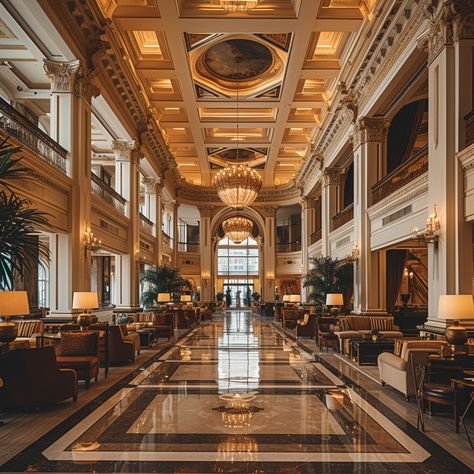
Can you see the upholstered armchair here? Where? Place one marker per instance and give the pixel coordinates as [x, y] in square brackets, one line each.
[306, 327]
[120, 349]
[32, 378]
[191, 316]
[131, 336]
[80, 351]
[165, 324]
[291, 317]
[395, 369]
[180, 321]
[29, 330]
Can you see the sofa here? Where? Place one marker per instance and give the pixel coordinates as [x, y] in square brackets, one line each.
[358, 327]
[395, 369]
[32, 378]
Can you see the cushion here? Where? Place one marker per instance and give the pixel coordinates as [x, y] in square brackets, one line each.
[27, 327]
[381, 323]
[79, 343]
[77, 362]
[344, 324]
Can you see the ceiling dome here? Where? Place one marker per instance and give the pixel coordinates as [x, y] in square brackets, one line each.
[238, 59]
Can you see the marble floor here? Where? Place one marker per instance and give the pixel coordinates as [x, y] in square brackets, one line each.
[234, 396]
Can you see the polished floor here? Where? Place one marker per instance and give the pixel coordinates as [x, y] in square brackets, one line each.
[238, 396]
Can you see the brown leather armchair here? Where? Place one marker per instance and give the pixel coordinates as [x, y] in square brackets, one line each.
[291, 316]
[165, 324]
[80, 351]
[307, 326]
[31, 378]
[120, 350]
[192, 316]
[180, 321]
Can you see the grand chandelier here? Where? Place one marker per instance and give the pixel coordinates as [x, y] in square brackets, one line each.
[233, 6]
[238, 185]
[237, 228]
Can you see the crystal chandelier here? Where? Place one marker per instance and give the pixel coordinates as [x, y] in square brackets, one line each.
[233, 6]
[237, 228]
[238, 185]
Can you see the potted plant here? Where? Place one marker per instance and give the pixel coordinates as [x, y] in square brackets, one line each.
[220, 296]
[256, 296]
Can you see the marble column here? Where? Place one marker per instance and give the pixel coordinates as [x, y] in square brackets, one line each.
[450, 43]
[153, 211]
[368, 139]
[269, 253]
[307, 218]
[175, 234]
[329, 206]
[127, 158]
[206, 253]
[71, 94]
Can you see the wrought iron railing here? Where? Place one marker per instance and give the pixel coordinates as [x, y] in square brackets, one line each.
[288, 246]
[399, 177]
[146, 223]
[166, 238]
[107, 193]
[469, 128]
[16, 125]
[342, 217]
[188, 247]
[316, 235]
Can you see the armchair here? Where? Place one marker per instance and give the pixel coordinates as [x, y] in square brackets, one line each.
[307, 326]
[120, 350]
[131, 336]
[31, 378]
[80, 351]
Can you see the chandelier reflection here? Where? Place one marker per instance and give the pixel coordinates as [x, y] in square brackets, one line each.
[234, 6]
[238, 185]
[237, 447]
[237, 228]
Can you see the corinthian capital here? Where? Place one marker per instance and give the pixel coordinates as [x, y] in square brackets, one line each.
[125, 151]
[369, 129]
[62, 74]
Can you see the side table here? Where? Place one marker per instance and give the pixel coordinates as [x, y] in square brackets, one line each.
[367, 351]
[146, 337]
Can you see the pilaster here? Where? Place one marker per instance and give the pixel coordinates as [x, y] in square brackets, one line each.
[269, 253]
[206, 252]
[329, 202]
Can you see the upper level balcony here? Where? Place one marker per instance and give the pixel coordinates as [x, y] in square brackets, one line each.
[342, 217]
[107, 193]
[167, 239]
[315, 236]
[17, 126]
[288, 246]
[399, 177]
[146, 224]
[192, 247]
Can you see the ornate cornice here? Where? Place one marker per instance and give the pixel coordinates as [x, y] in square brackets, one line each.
[369, 129]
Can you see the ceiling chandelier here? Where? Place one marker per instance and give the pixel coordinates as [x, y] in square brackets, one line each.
[237, 228]
[233, 6]
[238, 185]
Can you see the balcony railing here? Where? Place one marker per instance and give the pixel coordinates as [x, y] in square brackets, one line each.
[288, 246]
[146, 223]
[107, 193]
[188, 247]
[399, 177]
[315, 236]
[16, 125]
[469, 127]
[342, 217]
[167, 239]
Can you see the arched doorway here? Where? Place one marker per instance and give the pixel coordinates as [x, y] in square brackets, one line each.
[238, 270]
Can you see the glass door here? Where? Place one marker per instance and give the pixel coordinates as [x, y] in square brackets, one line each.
[238, 291]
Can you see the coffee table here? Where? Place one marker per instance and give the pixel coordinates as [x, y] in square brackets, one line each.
[367, 351]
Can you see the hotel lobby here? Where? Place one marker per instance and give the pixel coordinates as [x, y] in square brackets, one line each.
[236, 236]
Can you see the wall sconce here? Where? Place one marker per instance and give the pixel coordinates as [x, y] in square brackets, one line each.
[91, 243]
[355, 253]
[270, 276]
[433, 227]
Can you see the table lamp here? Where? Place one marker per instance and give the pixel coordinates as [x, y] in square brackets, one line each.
[85, 300]
[164, 297]
[456, 307]
[335, 300]
[185, 298]
[295, 299]
[12, 303]
[286, 298]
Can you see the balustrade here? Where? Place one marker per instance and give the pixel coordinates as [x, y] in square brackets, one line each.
[188, 247]
[316, 235]
[146, 224]
[107, 193]
[16, 125]
[342, 217]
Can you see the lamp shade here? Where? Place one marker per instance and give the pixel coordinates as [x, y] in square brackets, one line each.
[295, 298]
[85, 300]
[185, 298]
[14, 303]
[164, 297]
[286, 298]
[455, 307]
[334, 299]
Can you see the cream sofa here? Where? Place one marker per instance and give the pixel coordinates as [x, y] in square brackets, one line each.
[396, 371]
[354, 327]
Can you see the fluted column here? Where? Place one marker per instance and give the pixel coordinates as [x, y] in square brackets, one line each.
[71, 94]
[449, 45]
[206, 250]
[269, 254]
[127, 158]
[368, 140]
